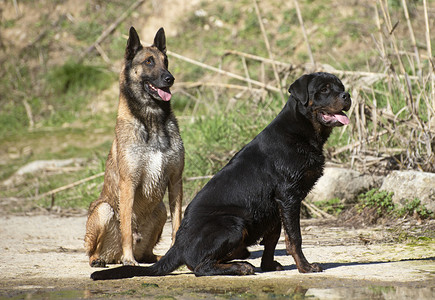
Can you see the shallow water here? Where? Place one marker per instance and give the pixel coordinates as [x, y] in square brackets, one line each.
[154, 291]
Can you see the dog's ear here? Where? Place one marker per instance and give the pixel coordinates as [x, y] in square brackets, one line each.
[299, 88]
[160, 40]
[133, 44]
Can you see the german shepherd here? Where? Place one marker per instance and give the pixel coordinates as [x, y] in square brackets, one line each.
[261, 188]
[147, 157]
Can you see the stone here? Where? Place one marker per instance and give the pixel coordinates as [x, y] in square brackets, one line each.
[408, 185]
[39, 166]
[345, 184]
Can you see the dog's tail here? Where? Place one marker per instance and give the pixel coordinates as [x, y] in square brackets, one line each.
[165, 265]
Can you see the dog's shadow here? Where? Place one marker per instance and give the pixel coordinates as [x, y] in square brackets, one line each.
[326, 266]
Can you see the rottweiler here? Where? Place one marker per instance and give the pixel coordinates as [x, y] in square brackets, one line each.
[146, 159]
[260, 188]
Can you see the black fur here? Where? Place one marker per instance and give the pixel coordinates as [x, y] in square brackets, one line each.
[260, 188]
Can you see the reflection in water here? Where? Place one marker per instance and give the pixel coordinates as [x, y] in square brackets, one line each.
[372, 292]
[298, 292]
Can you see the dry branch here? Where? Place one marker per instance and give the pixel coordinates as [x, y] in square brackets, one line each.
[29, 113]
[301, 21]
[358, 143]
[245, 67]
[429, 53]
[411, 32]
[111, 28]
[260, 58]
[229, 74]
[198, 178]
[66, 187]
[269, 51]
[190, 85]
[306, 67]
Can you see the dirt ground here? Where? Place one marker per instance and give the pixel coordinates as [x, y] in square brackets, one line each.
[43, 257]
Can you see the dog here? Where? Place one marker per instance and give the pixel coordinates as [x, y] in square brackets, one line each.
[260, 189]
[147, 157]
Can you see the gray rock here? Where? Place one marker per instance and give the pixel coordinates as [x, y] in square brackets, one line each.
[344, 184]
[408, 185]
[38, 166]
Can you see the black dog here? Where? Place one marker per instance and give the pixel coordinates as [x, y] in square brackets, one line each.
[262, 186]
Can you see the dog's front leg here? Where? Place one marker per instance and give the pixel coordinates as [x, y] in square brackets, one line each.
[270, 240]
[290, 217]
[175, 202]
[126, 198]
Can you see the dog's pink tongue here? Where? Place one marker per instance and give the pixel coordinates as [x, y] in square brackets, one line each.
[164, 95]
[342, 118]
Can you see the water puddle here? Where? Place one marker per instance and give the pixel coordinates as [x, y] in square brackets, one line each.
[153, 291]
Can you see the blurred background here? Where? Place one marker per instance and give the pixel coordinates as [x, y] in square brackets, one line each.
[233, 62]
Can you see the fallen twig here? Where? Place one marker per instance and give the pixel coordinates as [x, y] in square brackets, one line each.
[316, 211]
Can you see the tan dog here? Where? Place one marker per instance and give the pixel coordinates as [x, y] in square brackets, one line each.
[147, 157]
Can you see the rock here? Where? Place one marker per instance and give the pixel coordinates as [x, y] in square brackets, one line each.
[344, 184]
[408, 185]
[38, 166]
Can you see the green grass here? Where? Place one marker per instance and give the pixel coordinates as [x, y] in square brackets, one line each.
[80, 196]
[74, 77]
[65, 93]
[87, 31]
[63, 99]
[210, 141]
[332, 207]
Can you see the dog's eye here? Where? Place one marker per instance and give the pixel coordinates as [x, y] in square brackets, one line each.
[149, 61]
[325, 90]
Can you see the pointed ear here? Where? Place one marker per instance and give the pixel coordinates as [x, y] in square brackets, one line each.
[160, 40]
[299, 89]
[133, 44]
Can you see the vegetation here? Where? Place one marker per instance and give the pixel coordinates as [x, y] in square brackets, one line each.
[333, 207]
[381, 202]
[59, 103]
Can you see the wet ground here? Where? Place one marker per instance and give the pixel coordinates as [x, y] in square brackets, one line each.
[43, 258]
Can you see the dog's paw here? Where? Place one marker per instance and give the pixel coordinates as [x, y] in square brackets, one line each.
[310, 268]
[245, 268]
[270, 267]
[97, 263]
[129, 262]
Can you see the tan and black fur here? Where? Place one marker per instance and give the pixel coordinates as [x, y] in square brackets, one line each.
[147, 157]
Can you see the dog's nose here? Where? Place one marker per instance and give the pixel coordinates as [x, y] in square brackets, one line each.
[168, 78]
[345, 96]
